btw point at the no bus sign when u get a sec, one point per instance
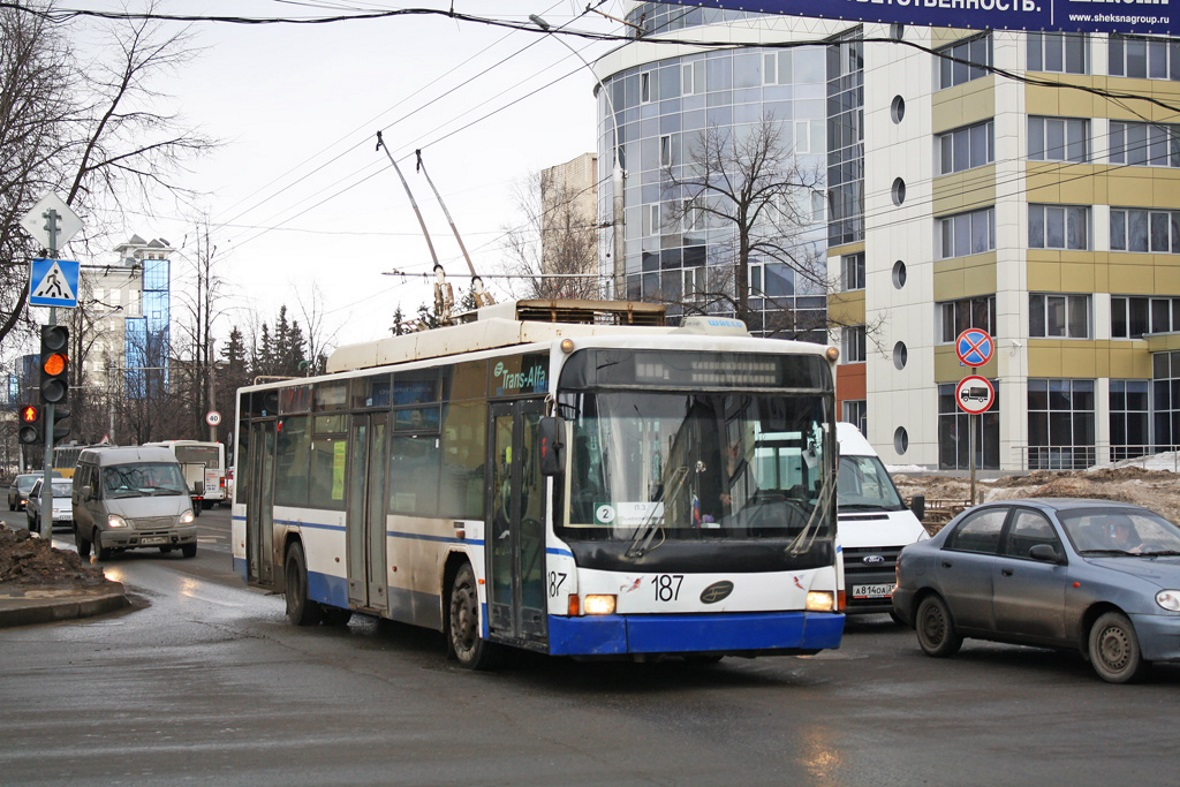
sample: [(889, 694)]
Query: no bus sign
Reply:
[(213, 418), (974, 394)]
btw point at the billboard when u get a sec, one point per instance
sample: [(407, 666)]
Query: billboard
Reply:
[(1079, 16)]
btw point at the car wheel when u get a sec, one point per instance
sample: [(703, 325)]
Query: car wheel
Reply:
[(469, 648), (189, 550), (936, 628), (100, 552), (301, 610), (81, 544), (1114, 649)]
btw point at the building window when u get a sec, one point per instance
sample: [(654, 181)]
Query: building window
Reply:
[(964, 61), (1052, 316), (1165, 400), (1058, 139), (1058, 227), (1059, 53), (953, 437), (1129, 422), (666, 150), (954, 317), (852, 271), (645, 87), (967, 147), (1131, 317), (1060, 424), (1145, 144), (1143, 58), (1134, 229), (853, 344), (973, 232), (692, 78), (856, 412)]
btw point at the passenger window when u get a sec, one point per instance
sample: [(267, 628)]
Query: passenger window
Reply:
[(1029, 528), (980, 532)]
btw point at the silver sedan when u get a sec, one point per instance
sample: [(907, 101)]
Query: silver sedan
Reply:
[(1094, 576)]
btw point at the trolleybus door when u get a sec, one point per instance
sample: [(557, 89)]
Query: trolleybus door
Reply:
[(516, 532), (365, 512), (260, 502)]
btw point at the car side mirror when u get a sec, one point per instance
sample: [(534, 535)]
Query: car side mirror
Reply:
[(918, 506), (551, 443), (85, 492), (1045, 552)]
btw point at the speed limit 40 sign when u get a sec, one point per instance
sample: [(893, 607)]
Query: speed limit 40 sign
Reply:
[(213, 418)]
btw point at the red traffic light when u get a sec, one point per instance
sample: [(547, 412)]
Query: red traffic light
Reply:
[(55, 364), (30, 414)]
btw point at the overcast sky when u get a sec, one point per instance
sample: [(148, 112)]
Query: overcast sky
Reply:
[(298, 197)]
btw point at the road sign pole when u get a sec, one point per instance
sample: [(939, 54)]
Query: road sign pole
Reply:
[(45, 525), (971, 422)]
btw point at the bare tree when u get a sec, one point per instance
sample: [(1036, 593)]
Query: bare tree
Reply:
[(202, 304), (319, 339), (553, 250), (36, 116), (748, 179), (92, 131)]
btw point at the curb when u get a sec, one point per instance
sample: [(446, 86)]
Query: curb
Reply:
[(23, 610)]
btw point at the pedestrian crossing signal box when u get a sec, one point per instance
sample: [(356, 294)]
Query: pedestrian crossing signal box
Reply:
[(30, 424)]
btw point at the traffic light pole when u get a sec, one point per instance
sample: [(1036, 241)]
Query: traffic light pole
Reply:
[(45, 510)]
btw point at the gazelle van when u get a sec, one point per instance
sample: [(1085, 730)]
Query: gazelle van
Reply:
[(874, 524), (131, 497)]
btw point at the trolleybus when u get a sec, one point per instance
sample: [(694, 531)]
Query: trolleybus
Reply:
[(572, 488), (203, 466)]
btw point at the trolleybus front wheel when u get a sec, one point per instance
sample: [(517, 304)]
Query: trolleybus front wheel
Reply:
[(471, 650)]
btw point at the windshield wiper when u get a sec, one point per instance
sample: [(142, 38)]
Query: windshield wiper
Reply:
[(1108, 553), (1161, 553), (647, 531)]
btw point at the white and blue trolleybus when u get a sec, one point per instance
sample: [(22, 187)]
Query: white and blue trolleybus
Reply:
[(569, 478)]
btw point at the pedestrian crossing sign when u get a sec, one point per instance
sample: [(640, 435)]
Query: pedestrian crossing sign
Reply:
[(54, 283)]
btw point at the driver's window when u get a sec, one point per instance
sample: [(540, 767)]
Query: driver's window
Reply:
[(1029, 528)]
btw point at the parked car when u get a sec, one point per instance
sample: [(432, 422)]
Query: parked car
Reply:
[(18, 492), (63, 514), (1094, 576)]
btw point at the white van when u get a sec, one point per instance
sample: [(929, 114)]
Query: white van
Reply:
[(874, 524), (131, 497)]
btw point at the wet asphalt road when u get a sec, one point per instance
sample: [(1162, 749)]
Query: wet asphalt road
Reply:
[(203, 681)]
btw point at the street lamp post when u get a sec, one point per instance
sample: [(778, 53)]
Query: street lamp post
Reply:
[(617, 172)]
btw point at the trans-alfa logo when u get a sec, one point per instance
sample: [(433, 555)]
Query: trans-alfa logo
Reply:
[(532, 380)]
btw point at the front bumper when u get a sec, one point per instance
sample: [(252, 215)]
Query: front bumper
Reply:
[(1159, 636), (135, 539), (748, 633)]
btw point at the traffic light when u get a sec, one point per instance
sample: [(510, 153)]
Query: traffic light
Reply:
[(30, 424), (60, 429), (55, 364)]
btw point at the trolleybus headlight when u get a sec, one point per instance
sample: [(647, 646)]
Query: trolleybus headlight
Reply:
[(187, 517), (114, 520), (598, 604), (820, 601)]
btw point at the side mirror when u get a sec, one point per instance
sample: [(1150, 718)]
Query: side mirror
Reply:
[(551, 443), (918, 506), (85, 492), (1045, 553)]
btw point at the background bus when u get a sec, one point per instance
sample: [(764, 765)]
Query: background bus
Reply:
[(65, 458), (582, 489), (203, 466)]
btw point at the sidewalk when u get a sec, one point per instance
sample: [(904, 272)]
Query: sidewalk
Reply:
[(23, 605)]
